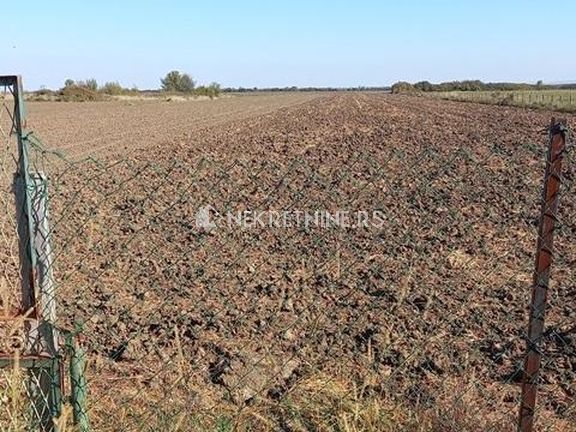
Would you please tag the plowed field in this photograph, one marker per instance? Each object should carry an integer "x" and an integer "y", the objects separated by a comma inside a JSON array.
[{"x": 292, "y": 327}]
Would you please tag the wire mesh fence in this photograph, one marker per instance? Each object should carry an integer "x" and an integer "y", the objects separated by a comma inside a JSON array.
[
  {"x": 9, "y": 285},
  {"x": 29, "y": 382},
  {"x": 337, "y": 287}
]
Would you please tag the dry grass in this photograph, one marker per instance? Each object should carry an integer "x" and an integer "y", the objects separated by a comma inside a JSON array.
[
  {"x": 558, "y": 100},
  {"x": 317, "y": 402},
  {"x": 324, "y": 403},
  {"x": 15, "y": 410},
  {"x": 12, "y": 398}
]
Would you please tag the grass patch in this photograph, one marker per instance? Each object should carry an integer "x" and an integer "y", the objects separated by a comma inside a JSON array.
[
  {"x": 557, "y": 100},
  {"x": 319, "y": 403},
  {"x": 12, "y": 398}
]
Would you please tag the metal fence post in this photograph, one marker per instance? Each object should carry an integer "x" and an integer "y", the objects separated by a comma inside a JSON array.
[
  {"x": 48, "y": 377},
  {"x": 79, "y": 387},
  {"x": 544, "y": 254},
  {"x": 41, "y": 352}
]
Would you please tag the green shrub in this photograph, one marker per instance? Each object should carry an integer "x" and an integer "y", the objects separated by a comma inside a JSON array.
[
  {"x": 213, "y": 90},
  {"x": 176, "y": 81},
  {"x": 91, "y": 84},
  {"x": 76, "y": 93},
  {"x": 403, "y": 87},
  {"x": 113, "y": 88}
]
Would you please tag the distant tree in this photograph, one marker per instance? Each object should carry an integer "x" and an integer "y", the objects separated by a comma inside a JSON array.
[
  {"x": 403, "y": 87},
  {"x": 212, "y": 90},
  {"x": 424, "y": 86},
  {"x": 112, "y": 88},
  {"x": 91, "y": 84},
  {"x": 177, "y": 82},
  {"x": 69, "y": 83},
  {"x": 467, "y": 85}
]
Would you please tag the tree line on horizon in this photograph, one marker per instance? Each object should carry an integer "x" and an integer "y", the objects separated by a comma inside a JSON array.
[
  {"x": 302, "y": 89},
  {"x": 89, "y": 89},
  {"x": 421, "y": 86},
  {"x": 473, "y": 85},
  {"x": 179, "y": 82}
]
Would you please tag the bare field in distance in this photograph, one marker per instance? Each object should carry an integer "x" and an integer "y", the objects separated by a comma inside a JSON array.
[{"x": 81, "y": 129}]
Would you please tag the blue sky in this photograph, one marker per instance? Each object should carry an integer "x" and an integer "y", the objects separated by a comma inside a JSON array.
[{"x": 272, "y": 43}]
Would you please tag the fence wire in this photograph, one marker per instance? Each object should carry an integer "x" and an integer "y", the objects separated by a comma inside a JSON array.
[
  {"x": 220, "y": 291},
  {"x": 10, "y": 298},
  {"x": 29, "y": 371},
  {"x": 560, "y": 100}
]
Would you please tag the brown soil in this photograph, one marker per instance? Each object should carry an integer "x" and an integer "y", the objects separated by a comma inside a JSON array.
[
  {"x": 117, "y": 127},
  {"x": 430, "y": 307}
]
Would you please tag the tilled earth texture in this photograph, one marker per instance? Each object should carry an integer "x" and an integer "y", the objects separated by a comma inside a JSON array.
[{"x": 415, "y": 320}]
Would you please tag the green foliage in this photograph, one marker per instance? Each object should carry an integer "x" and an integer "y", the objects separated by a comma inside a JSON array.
[
  {"x": 113, "y": 88},
  {"x": 213, "y": 90},
  {"x": 559, "y": 100},
  {"x": 467, "y": 85},
  {"x": 403, "y": 87},
  {"x": 424, "y": 86},
  {"x": 78, "y": 93},
  {"x": 176, "y": 81},
  {"x": 91, "y": 84},
  {"x": 88, "y": 90},
  {"x": 224, "y": 424},
  {"x": 303, "y": 89}
]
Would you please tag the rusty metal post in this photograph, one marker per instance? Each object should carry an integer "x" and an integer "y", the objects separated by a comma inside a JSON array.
[{"x": 544, "y": 258}]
